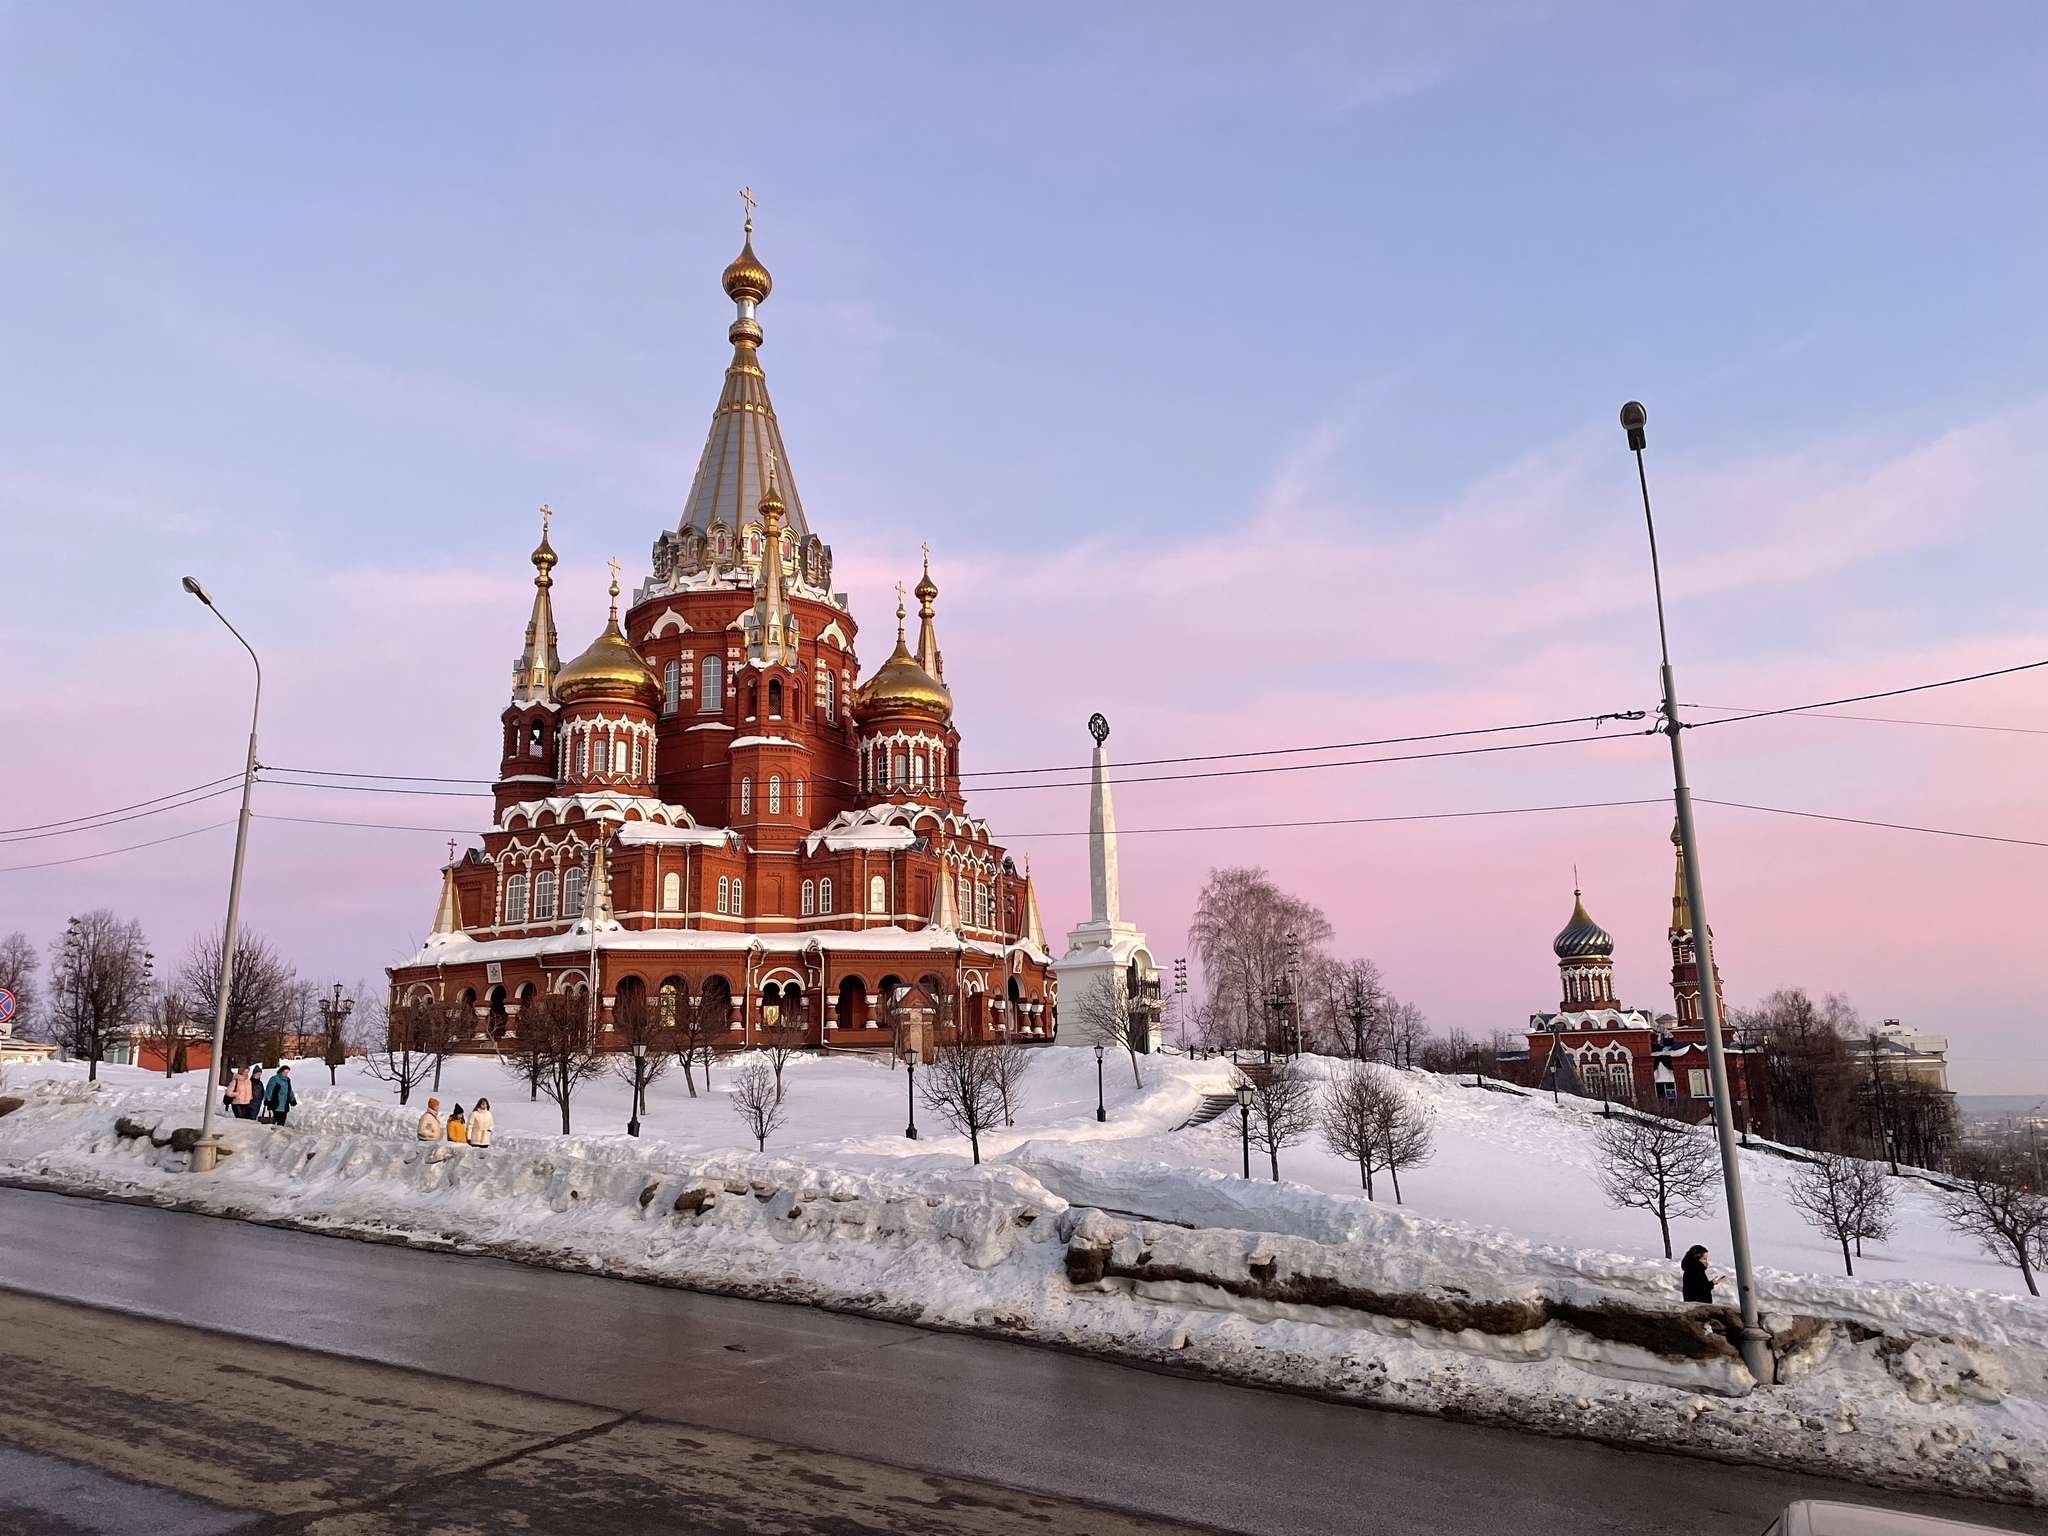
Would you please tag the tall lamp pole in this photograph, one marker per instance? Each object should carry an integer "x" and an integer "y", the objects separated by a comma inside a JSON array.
[
  {"x": 1244, "y": 1123},
  {"x": 910, "y": 1084},
  {"x": 206, "y": 1154},
  {"x": 639, "y": 1068},
  {"x": 1101, "y": 1113},
  {"x": 1756, "y": 1343}
]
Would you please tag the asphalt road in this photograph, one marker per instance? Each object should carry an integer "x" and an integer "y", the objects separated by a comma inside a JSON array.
[{"x": 881, "y": 1394}]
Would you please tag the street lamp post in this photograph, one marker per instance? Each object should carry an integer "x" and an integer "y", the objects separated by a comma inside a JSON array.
[
  {"x": 639, "y": 1066},
  {"x": 1756, "y": 1343},
  {"x": 206, "y": 1154},
  {"x": 1101, "y": 1112},
  {"x": 910, "y": 1079},
  {"x": 1244, "y": 1123}
]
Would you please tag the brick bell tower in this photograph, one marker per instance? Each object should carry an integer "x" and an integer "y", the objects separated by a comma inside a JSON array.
[{"x": 1685, "y": 964}]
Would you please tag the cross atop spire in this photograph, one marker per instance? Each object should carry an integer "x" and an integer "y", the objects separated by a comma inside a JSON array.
[
  {"x": 533, "y": 674},
  {"x": 747, "y": 197}
]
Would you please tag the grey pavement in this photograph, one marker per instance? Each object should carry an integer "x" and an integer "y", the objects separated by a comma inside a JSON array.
[{"x": 1034, "y": 1419}]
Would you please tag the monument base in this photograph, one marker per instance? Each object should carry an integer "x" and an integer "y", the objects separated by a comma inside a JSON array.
[{"x": 1099, "y": 955}]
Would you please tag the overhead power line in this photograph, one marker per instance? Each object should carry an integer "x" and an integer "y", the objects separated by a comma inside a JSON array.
[
  {"x": 1945, "y": 725},
  {"x": 9, "y": 832},
  {"x": 108, "y": 853},
  {"x": 1864, "y": 698},
  {"x": 115, "y": 821},
  {"x": 1859, "y": 821}
]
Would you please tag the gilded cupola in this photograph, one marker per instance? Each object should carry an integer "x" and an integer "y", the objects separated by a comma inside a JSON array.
[
  {"x": 611, "y": 671},
  {"x": 902, "y": 686}
]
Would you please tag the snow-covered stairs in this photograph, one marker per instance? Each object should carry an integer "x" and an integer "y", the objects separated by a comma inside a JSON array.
[{"x": 1212, "y": 1105}]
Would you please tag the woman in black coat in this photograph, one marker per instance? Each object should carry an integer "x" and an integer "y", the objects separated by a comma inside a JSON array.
[{"x": 1698, "y": 1284}]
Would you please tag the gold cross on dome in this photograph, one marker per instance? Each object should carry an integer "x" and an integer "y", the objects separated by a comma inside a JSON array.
[
  {"x": 747, "y": 197},
  {"x": 614, "y": 564},
  {"x": 546, "y": 512},
  {"x": 899, "y": 594},
  {"x": 451, "y": 850}
]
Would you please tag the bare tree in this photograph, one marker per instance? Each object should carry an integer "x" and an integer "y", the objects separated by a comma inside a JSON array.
[
  {"x": 1407, "y": 1032},
  {"x": 1369, "y": 1119},
  {"x": 757, "y": 1100},
  {"x": 691, "y": 1028},
  {"x": 638, "y": 1024},
  {"x": 557, "y": 1048},
  {"x": 172, "y": 1023},
  {"x": 1247, "y": 934},
  {"x": 1650, "y": 1163},
  {"x": 18, "y": 963},
  {"x": 99, "y": 984},
  {"x": 962, "y": 1085},
  {"x": 1993, "y": 1200},
  {"x": 1283, "y": 1110},
  {"x": 779, "y": 1040},
  {"x": 1009, "y": 1062},
  {"x": 1108, "y": 1014},
  {"x": 1847, "y": 1198},
  {"x": 261, "y": 1001},
  {"x": 415, "y": 1037},
  {"x": 1359, "y": 1003}
]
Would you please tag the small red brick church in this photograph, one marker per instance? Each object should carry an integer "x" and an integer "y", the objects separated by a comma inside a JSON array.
[
  {"x": 705, "y": 806},
  {"x": 1594, "y": 1047}
]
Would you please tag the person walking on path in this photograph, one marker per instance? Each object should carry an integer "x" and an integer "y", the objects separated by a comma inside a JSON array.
[
  {"x": 480, "y": 1124},
  {"x": 457, "y": 1131},
  {"x": 256, "y": 1091},
  {"x": 241, "y": 1101},
  {"x": 1698, "y": 1284},
  {"x": 281, "y": 1096},
  {"x": 430, "y": 1122}
]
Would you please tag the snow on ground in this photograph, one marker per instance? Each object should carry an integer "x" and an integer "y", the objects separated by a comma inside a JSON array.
[{"x": 1505, "y": 1288}]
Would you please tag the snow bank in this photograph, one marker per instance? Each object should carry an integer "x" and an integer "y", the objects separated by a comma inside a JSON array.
[{"x": 1067, "y": 1242}]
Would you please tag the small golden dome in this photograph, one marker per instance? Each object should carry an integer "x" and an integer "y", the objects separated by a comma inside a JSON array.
[
  {"x": 903, "y": 686},
  {"x": 610, "y": 672},
  {"x": 746, "y": 279}
]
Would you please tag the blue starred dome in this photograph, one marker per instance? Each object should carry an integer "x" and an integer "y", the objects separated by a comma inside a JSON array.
[{"x": 1582, "y": 938}]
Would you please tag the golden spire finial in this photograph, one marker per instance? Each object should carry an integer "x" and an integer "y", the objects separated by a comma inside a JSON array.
[
  {"x": 899, "y": 613},
  {"x": 614, "y": 564},
  {"x": 451, "y": 850},
  {"x": 546, "y": 512},
  {"x": 746, "y": 281},
  {"x": 747, "y": 197}
]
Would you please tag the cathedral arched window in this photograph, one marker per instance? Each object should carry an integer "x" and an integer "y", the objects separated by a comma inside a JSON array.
[
  {"x": 636, "y": 757},
  {"x": 671, "y": 892},
  {"x": 738, "y": 908},
  {"x": 533, "y": 736},
  {"x": 775, "y": 698},
  {"x": 597, "y": 757},
  {"x": 774, "y": 794},
  {"x": 583, "y": 757},
  {"x": 713, "y": 698},
  {"x": 878, "y": 894},
  {"x": 724, "y": 894},
  {"x": 572, "y": 893},
  {"x": 671, "y": 686},
  {"x": 746, "y": 797},
  {"x": 902, "y": 768},
  {"x": 810, "y": 898},
  {"x": 515, "y": 899},
  {"x": 825, "y": 894},
  {"x": 544, "y": 897}
]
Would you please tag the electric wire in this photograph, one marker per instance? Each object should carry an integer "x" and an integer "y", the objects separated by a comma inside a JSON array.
[
  {"x": 1946, "y": 725},
  {"x": 107, "y": 853},
  {"x": 1861, "y": 698},
  {"x": 115, "y": 821},
  {"x": 1859, "y": 821},
  {"x": 7, "y": 832}
]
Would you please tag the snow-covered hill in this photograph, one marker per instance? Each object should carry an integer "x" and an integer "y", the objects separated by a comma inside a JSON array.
[{"x": 1506, "y": 1288}]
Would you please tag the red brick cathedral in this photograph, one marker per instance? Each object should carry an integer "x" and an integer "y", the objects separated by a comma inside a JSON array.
[{"x": 706, "y": 806}]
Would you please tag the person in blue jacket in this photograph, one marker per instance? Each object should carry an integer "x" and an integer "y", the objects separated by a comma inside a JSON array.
[{"x": 279, "y": 1096}]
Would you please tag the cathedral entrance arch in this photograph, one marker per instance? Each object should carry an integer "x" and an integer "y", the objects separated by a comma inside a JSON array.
[{"x": 851, "y": 1010}]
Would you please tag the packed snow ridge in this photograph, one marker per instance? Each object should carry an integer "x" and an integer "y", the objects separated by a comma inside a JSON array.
[{"x": 1128, "y": 1239}]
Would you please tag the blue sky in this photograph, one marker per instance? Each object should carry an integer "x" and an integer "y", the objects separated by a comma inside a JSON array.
[{"x": 1251, "y": 370}]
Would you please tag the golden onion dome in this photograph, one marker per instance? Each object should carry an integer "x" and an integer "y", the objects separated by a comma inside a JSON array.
[
  {"x": 746, "y": 280},
  {"x": 902, "y": 686},
  {"x": 610, "y": 672}
]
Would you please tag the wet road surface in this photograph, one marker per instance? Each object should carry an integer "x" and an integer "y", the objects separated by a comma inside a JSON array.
[{"x": 885, "y": 1395}]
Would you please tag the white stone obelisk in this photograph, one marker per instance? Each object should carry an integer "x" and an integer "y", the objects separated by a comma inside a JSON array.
[{"x": 1104, "y": 950}]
